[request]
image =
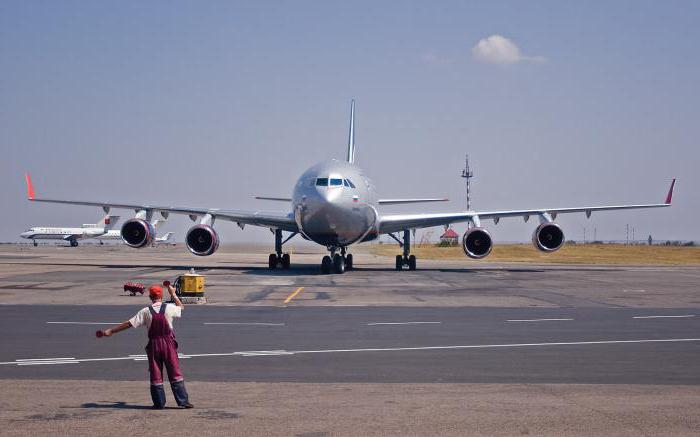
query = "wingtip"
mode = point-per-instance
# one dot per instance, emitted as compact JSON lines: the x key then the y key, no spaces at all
{"x":669,"y":196}
{"x":30,"y":187}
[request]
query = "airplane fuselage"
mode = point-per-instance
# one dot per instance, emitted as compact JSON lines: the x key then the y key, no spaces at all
{"x":56,"y":233}
{"x":335,"y":204}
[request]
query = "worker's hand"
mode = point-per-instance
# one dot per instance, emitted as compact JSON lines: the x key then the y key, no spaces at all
{"x":107,"y":332}
{"x":171,"y":290}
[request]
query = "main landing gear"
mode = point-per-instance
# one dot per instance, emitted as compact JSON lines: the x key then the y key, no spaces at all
{"x":73,"y":243}
{"x":336,"y":262}
{"x":278,"y":258}
{"x":406,"y":259}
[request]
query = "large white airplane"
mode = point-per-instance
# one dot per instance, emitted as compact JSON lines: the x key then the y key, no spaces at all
{"x":335,"y":205}
{"x":72,"y":235}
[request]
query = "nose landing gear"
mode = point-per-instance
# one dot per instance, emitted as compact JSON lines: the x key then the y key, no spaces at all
{"x":336,"y":262}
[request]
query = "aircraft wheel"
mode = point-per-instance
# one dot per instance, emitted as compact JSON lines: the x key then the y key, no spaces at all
{"x":272,"y":261}
{"x":73,"y":243}
{"x":399,"y":262}
{"x":339,"y":263}
{"x":348,"y":261}
{"x":36,"y":244}
{"x":286,"y":261}
{"x":326,"y":264}
{"x":412,"y":262}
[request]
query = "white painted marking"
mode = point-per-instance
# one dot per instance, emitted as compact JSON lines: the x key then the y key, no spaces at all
{"x":83,"y":323}
{"x":263,"y":353}
{"x":39,"y":363}
{"x":683,"y":316}
{"x":539,"y":320}
{"x":244,"y":323}
{"x":392,"y":349}
{"x":45,"y":359}
{"x":402,"y":323}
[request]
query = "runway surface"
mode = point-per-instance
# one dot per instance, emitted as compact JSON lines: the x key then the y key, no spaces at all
{"x":352,"y":344}
{"x":454,"y":348}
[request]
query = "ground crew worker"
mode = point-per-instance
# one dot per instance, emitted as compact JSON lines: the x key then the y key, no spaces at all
{"x":162,"y":347}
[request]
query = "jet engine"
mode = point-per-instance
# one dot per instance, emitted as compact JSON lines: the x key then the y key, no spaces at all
{"x":548,"y":237}
{"x":202,"y":240}
{"x":138,"y":233}
{"x":476,"y":243}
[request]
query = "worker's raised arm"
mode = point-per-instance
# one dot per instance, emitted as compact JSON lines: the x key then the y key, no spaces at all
{"x":118,"y":328}
{"x":174,"y":297}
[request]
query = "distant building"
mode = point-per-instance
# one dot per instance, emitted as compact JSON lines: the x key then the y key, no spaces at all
{"x":450,"y":238}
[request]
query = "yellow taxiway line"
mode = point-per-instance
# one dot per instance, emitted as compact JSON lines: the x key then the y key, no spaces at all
{"x":291,"y":296}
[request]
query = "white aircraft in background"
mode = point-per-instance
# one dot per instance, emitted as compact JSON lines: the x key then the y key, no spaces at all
{"x":100,"y":232}
{"x":72,"y":235}
{"x":334,"y":204}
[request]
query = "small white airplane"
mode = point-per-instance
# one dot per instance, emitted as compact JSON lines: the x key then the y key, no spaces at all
{"x":72,"y":235}
{"x":335,"y":205}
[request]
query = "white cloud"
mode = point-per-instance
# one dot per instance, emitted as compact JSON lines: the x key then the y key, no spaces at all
{"x":497,"y":49}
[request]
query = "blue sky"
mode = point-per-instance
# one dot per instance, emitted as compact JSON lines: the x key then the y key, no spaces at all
{"x":212,"y":103}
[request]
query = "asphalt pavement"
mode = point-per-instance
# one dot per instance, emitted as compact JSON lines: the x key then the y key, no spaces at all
{"x":365,"y":344}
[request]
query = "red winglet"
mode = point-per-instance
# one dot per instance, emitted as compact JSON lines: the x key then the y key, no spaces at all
{"x":30,"y":187}
{"x":669,"y":196}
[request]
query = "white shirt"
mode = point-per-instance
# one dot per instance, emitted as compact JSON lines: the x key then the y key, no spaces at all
{"x":144,"y":316}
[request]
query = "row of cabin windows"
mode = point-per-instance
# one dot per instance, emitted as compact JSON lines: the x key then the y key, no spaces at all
{"x":334,"y":182}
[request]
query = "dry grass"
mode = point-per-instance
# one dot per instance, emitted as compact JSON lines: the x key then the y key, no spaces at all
{"x":569,"y":254}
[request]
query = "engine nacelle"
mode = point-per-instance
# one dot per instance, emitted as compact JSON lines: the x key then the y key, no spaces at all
{"x":477,"y":243}
{"x":202,"y":240}
{"x":138,"y":233}
{"x":548,"y":237}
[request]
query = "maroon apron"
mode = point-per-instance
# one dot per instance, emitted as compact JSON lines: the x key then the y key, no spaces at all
{"x":162,"y":349}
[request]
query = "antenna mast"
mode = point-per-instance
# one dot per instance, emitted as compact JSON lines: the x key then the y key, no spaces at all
{"x":467,"y":174}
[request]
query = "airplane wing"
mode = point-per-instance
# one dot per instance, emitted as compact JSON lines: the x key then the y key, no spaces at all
{"x":403,"y":201}
{"x":275,"y":220}
{"x":275,"y":199}
{"x":397,"y":222}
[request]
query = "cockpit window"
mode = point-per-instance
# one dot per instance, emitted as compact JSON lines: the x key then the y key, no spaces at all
{"x":345,"y":182}
{"x":321,"y":182}
{"x":349,"y":183}
{"x":336,"y":182}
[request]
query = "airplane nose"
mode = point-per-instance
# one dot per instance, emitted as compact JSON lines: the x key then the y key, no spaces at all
{"x":329,"y":195}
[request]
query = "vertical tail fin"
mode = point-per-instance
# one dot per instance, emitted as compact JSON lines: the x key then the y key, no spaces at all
{"x":110,"y":221}
{"x":351,"y":135}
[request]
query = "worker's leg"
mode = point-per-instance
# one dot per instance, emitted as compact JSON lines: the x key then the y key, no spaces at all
{"x":177,"y":382}
{"x":155,"y":369}
{"x":180,"y":394}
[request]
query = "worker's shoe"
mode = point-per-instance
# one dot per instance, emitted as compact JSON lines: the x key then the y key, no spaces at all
{"x":180,"y":394}
{"x":158,"y":396}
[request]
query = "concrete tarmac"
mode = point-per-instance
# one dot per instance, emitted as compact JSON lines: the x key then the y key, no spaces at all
{"x":455,"y":348}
